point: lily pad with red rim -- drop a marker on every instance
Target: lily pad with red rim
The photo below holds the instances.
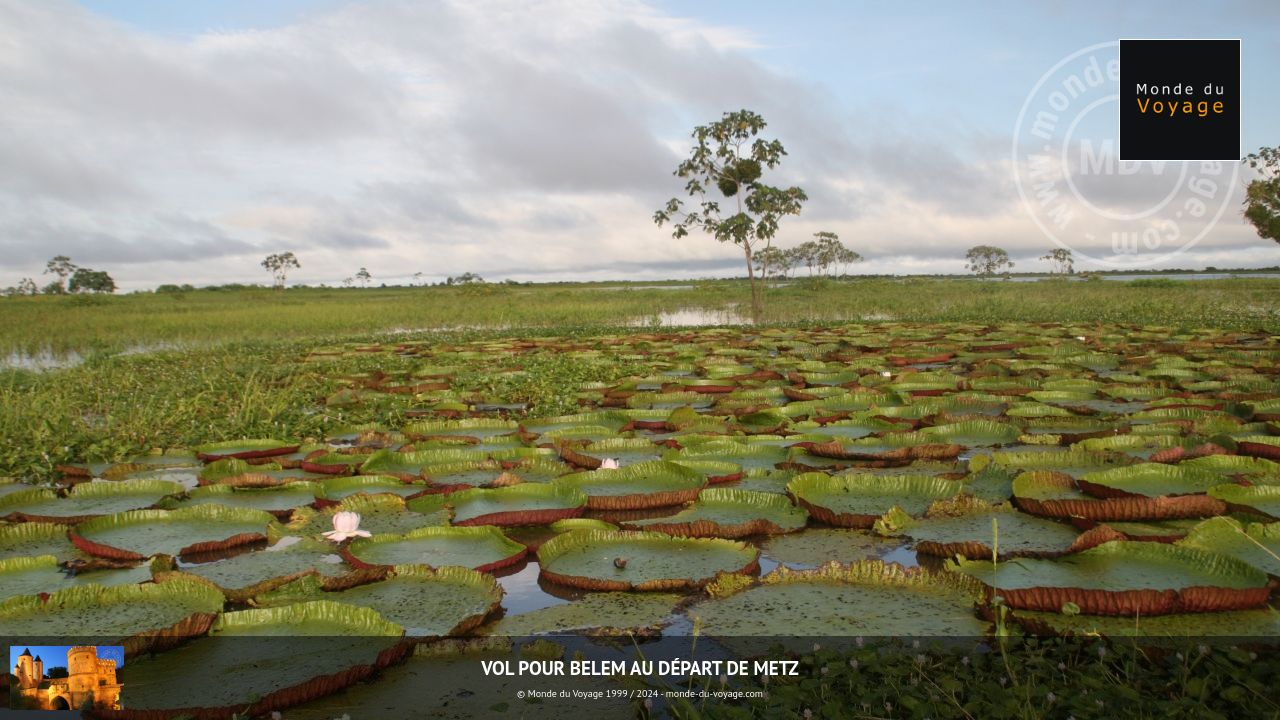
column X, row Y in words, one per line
column 729, row 513
column 515, row 505
column 138, row 534
column 423, row 600
column 1125, row 578
column 483, row 549
column 857, row 500
column 648, row 561
column 636, row 487
column 244, row 449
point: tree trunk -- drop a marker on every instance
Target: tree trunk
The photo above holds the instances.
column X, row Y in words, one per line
column 757, row 301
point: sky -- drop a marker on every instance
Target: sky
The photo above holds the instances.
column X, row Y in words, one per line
column 182, row 142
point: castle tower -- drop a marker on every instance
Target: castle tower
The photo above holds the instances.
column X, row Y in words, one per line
column 37, row 670
column 25, row 669
column 82, row 671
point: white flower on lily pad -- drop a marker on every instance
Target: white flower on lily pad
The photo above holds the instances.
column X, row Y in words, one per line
column 346, row 524
column 609, row 464
column 885, row 373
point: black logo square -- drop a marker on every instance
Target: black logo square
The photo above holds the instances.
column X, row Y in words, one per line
column 1180, row 100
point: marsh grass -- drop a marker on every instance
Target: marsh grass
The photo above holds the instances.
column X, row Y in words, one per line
column 32, row 325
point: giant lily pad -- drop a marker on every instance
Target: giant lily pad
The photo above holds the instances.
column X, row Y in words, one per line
column 244, row 575
column 31, row 538
column 142, row 616
column 523, row 504
column 618, row 560
column 1148, row 480
column 87, row 500
column 278, row 500
column 1255, row 543
column 819, row 546
column 482, row 548
column 857, row 500
column 636, row 487
column 605, row 613
column 138, row 534
column 340, row 487
column 379, row 514
column 974, row 433
column 1263, row 499
column 244, row 449
column 1125, row 578
column 42, row 574
column 866, row 598
column 425, row 601
column 1056, row 495
column 729, row 513
column 410, row 465
column 330, row 646
column 972, row 529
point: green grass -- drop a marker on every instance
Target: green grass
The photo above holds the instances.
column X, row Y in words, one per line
column 60, row 325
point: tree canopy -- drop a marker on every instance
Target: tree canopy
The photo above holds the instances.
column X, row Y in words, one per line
column 1262, row 196
column 987, row 260
column 729, row 156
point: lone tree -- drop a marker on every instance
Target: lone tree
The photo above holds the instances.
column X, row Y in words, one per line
column 1060, row 260
column 364, row 277
column 729, row 157
column 85, row 280
column 61, row 266
column 987, row 260
column 1262, row 196
column 279, row 265
column 828, row 251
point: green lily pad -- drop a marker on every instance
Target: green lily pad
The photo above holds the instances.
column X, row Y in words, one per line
column 523, row 504
column 636, row 487
column 425, row 601
column 138, row 534
column 272, row 499
column 819, row 546
column 482, row 548
column 243, row 449
column 1125, row 578
column 973, row 531
column 857, row 500
column 32, row 575
column 729, row 513
column 244, row 575
column 603, row 560
column 32, row 538
column 338, row 488
column 328, row 640
column 1264, row 499
column 89, row 499
column 380, row 514
column 1149, row 480
column 974, row 433
column 605, row 613
column 868, row 598
column 1255, row 543
column 110, row 613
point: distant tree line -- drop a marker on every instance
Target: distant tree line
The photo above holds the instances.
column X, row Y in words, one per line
column 69, row 278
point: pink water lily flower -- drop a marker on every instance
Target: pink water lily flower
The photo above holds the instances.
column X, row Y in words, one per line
column 609, row 464
column 346, row 525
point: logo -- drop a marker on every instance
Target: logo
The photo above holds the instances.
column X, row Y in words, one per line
column 1117, row 213
column 65, row 677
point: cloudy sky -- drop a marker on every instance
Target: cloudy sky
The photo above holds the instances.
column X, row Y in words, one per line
column 181, row 142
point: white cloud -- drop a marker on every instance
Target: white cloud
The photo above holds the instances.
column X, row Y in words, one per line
column 518, row 140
